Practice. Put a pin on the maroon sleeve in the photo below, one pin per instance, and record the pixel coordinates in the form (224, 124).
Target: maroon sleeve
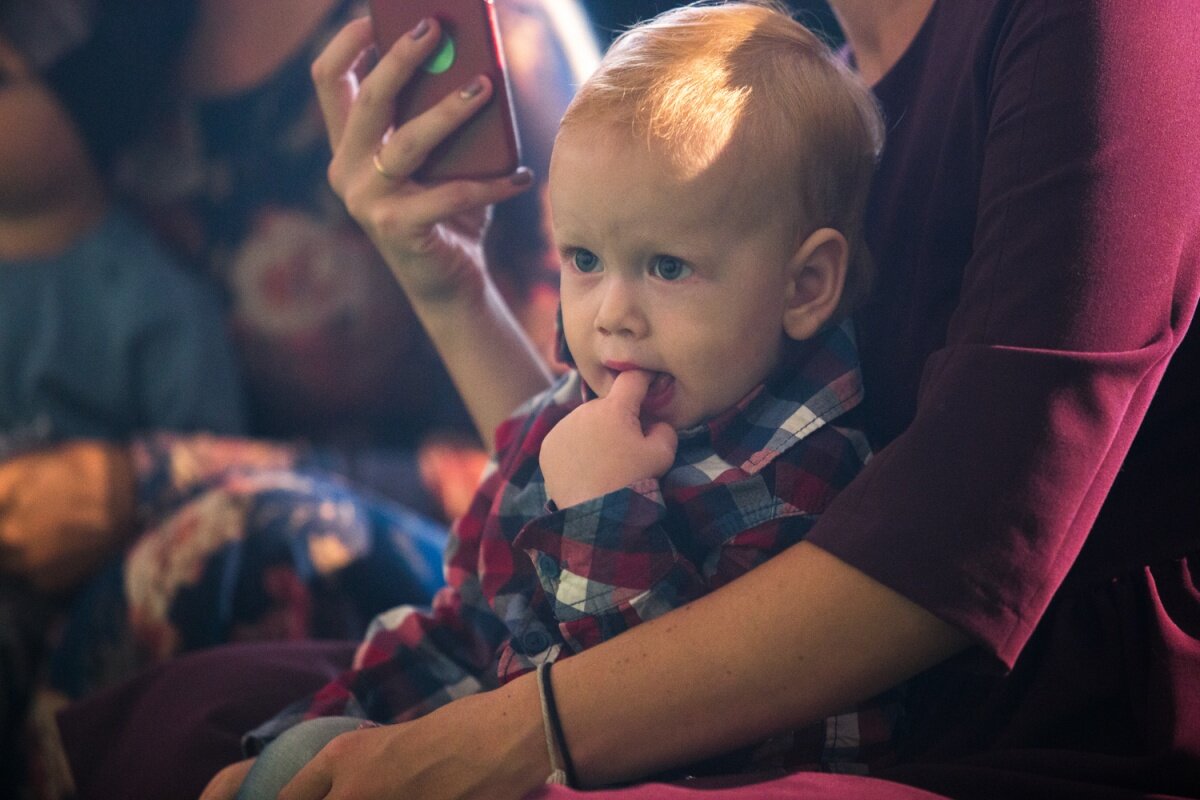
(1081, 279)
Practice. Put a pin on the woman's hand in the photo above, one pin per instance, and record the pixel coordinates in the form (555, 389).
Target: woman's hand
(63, 511)
(225, 784)
(602, 446)
(489, 745)
(431, 236)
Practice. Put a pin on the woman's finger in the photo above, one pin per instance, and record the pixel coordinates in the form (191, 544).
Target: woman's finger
(374, 107)
(422, 210)
(334, 77)
(311, 782)
(410, 145)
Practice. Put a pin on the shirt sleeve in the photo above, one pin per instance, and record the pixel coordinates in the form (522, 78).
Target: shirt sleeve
(413, 660)
(410, 663)
(608, 563)
(1082, 280)
(611, 562)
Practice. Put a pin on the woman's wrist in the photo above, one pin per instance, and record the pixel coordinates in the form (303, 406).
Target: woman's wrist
(447, 309)
(435, 285)
(508, 721)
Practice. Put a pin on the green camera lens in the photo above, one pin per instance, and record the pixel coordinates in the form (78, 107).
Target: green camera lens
(443, 58)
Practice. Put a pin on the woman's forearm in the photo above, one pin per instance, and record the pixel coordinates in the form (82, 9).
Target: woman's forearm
(789, 643)
(491, 360)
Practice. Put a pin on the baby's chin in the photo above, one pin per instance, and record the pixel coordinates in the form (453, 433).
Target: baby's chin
(676, 415)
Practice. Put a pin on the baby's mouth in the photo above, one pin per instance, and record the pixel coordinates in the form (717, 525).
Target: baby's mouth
(661, 389)
(659, 382)
(658, 393)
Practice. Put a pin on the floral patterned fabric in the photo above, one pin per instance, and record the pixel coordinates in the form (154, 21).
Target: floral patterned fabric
(243, 541)
(240, 540)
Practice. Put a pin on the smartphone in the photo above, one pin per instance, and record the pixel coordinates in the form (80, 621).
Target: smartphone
(487, 145)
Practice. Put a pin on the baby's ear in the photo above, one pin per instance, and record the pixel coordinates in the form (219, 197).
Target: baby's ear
(817, 274)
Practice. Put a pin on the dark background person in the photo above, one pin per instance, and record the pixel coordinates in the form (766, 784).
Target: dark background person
(92, 342)
(201, 116)
(232, 170)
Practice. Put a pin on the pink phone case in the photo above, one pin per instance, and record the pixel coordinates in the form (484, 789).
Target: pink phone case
(486, 146)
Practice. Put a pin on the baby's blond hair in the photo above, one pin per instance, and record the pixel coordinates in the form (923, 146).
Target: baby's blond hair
(696, 80)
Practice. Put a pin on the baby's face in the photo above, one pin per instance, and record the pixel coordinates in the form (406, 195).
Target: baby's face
(684, 277)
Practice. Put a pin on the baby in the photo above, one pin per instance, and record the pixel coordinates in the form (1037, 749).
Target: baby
(707, 189)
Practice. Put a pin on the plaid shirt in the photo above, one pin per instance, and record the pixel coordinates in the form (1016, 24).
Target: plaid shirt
(527, 582)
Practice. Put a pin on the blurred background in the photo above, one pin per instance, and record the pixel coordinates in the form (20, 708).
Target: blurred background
(611, 18)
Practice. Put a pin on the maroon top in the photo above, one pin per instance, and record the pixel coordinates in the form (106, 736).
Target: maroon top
(1034, 223)
(1035, 227)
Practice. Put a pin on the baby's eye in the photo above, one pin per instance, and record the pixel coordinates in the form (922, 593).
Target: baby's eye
(585, 260)
(670, 268)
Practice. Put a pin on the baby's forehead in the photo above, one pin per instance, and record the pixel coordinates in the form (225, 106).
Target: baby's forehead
(745, 176)
(629, 206)
(674, 157)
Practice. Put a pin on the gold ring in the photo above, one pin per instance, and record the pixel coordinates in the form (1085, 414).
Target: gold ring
(379, 167)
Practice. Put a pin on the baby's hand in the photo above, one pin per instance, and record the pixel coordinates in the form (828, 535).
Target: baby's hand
(601, 446)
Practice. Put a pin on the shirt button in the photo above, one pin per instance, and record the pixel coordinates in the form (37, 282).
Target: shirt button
(535, 642)
(549, 567)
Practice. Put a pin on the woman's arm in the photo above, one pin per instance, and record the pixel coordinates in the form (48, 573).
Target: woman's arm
(1065, 230)
(492, 362)
(430, 236)
(824, 636)
(664, 694)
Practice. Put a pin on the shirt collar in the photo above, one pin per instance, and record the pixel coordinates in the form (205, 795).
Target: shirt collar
(817, 381)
